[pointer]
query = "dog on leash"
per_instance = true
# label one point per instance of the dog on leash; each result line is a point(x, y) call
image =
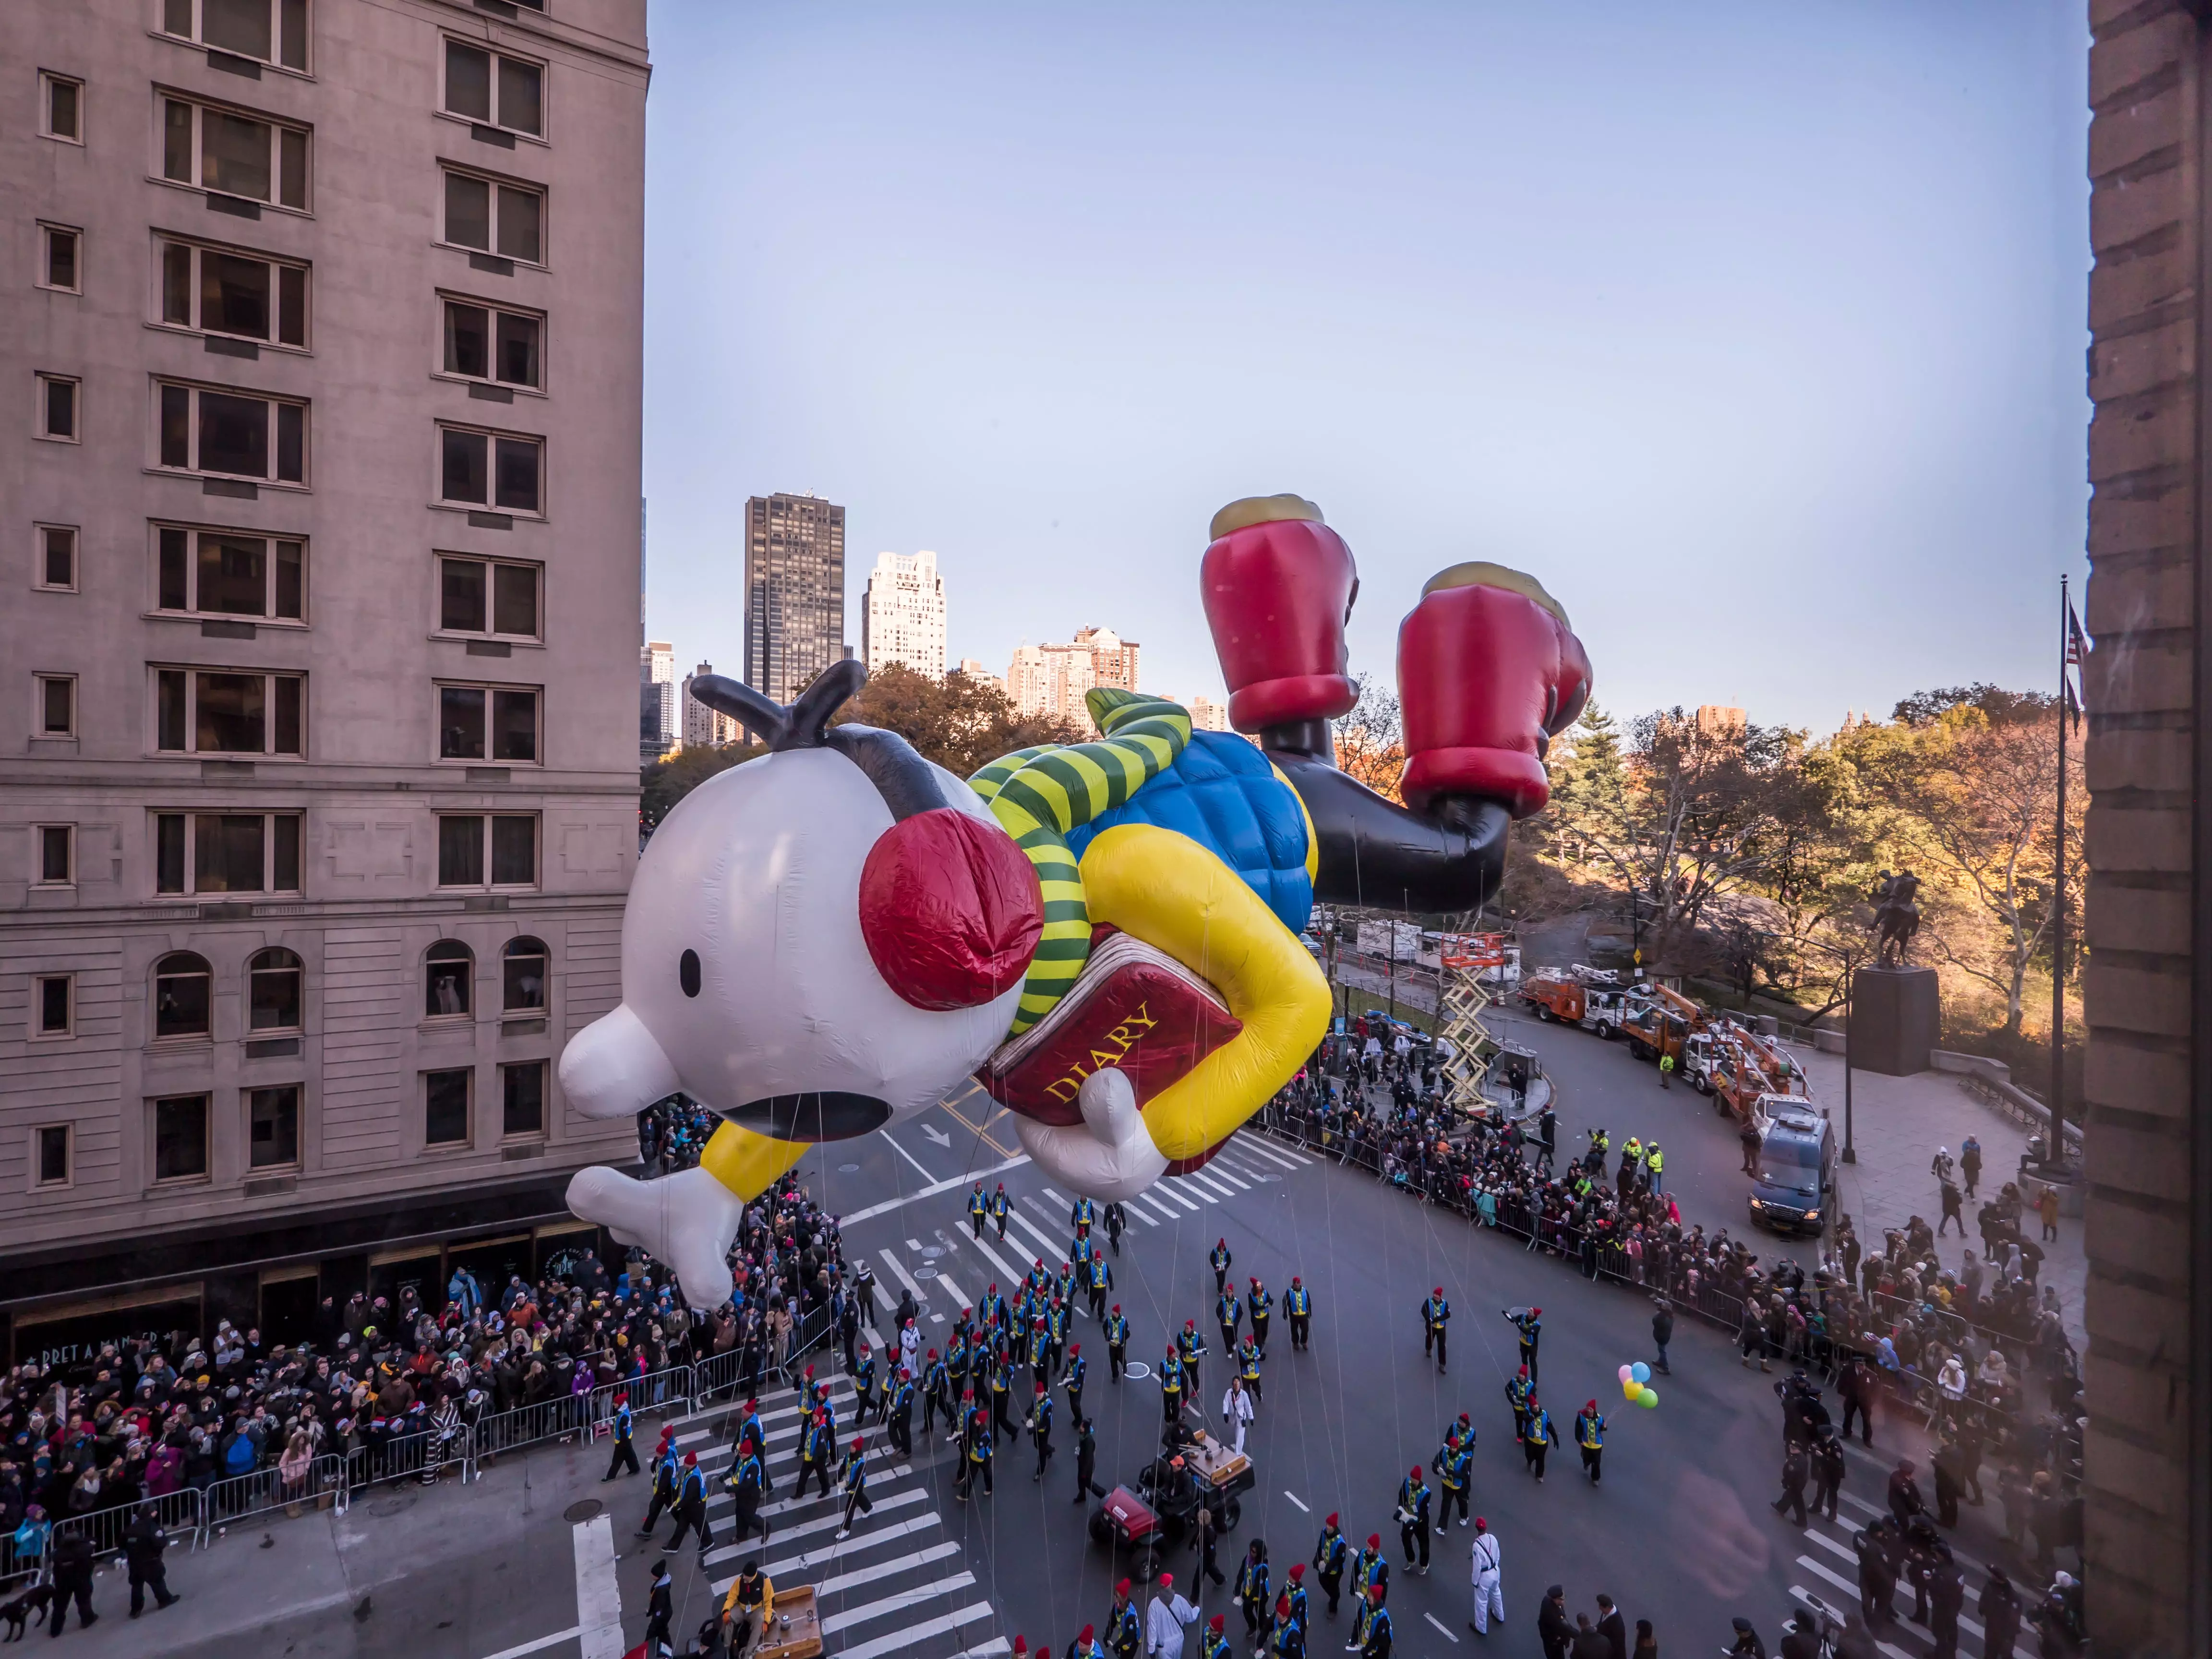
point(29, 1607)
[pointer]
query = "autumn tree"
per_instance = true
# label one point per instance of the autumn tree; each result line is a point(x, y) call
point(961, 722)
point(1371, 741)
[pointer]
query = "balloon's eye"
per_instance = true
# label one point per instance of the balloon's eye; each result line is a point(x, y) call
point(687, 972)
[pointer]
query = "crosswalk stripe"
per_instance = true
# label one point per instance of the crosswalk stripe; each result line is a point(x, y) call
point(862, 1539)
point(1220, 1180)
point(1159, 1192)
point(885, 1569)
point(782, 1505)
point(803, 1529)
point(1056, 1198)
point(1183, 1183)
point(1051, 1250)
point(1219, 1170)
point(899, 1603)
point(998, 1645)
point(1258, 1148)
point(960, 1297)
point(1007, 1274)
point(1141, 1213)
point(1250, 1168)
point(1862, 1506)
point(899, 1638)
point(1823, 1570)
point(1813, 1534)
point(890, 1258)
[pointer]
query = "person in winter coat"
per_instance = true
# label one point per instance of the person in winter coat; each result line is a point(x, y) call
point(142, 1544)
point(72, 1556)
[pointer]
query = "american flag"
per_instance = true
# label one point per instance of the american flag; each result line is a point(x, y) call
point(2077, 657)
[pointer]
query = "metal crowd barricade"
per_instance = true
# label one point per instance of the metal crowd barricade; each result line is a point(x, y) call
point(668, 1390)
point(725, 1373)
point(175, 1512)
point(243, 1497)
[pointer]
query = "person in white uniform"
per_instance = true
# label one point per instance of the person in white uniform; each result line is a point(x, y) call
point(1165, 1620)
point(1489, 1600)
point(1237, 1412)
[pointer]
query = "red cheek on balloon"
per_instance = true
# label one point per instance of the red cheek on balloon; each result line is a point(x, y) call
point(950, 909)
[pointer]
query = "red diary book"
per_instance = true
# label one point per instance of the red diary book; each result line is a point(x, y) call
point(1133, 1006)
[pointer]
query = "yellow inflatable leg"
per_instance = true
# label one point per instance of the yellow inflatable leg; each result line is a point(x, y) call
point(1178, 898)
point(745, 1162)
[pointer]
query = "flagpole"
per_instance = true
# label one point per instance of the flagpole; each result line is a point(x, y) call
point(2057, 1150)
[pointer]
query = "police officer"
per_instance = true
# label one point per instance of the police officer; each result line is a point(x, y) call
point(1117, 1344)
point(142, 1544)
point(1413, 1498)
point(625, 1447)
point(1328, 1561)
point(978, 1208)
point(1436, 1311)
point(1086, 1458)
point(1297, 1304)
point(1589, 1438)
point(855, 1477)
point(1219, 1259)
point(1877, 1574)
point(1827, 1460)
point(1259, 1305)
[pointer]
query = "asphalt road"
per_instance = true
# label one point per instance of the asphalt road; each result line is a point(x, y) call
point(1678, 1532)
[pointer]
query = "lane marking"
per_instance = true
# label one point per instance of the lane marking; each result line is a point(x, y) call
point(1148, 1200)
point(599, 1598)
point(977, 1129)
point(1056, 1198)
point(907, 1155)
point(1293, 1497)
point(1449, 1637)
point(1256, 1147)
point(930, 1191)
point(1159, 1192)
point(1007, 1275)
point(1140, 1213)
point(1181, 1181)
point(852, 1545)
point(899, 1603)
point(896, 1500)
point(960, 1297)
point(889, 1257)
point(1044, 1243)
point(1218, 1171)
point(885, 1569)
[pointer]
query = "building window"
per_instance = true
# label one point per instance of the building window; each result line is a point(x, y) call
point(232, 433)
point(502, 845)
point(273, 990)
point(57, 412)
point(487, 722)
point(488, 596)
point(197, 852)
point(491, 343)
point(232, 152)
point(495, 90)
point(180, 1138)
point(61, 107)
point(51, 1143)
point(500, 470)
point(182, 982)
point(56, 996)
point(57, 556)
point(490, 216)
point(523, 976)
point(449, 978)
point(272, 31)
point(60, 262)
point(272, 1127)
point(202, 711)
point(56, 701)
point(229, 573)
point(57, 854)
point(446, 1107)
point(214, 290)
point(522, 1098)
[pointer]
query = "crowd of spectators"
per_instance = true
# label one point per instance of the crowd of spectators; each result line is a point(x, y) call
point(1980, 1353)
point(398, 1387)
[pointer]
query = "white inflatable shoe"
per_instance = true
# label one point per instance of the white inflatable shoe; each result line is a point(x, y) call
point(684, 1220)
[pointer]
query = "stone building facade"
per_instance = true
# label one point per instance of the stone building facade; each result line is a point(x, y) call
point(320, 499)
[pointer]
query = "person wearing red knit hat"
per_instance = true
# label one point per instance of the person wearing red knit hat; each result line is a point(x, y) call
point(1219, 1259)
point(1216, 1645)
point(1117, 1344)
point(1083, 1646)
point(1125, 1630)
point(1166, 1620)
point(1328, 1561)
point(1436, 1310)
point(1489, 1599)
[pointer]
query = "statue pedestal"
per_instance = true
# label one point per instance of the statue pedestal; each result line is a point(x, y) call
point(1896, 1019)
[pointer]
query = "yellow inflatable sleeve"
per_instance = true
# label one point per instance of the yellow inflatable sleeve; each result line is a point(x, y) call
point(1178, 898)
point(746, 1162)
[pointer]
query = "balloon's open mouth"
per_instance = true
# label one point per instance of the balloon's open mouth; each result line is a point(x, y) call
point(829, 1114)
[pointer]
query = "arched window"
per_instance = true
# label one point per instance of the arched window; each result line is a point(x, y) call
point(523, 977)
point(273, 984)
point(448, 972)
point(182, 983)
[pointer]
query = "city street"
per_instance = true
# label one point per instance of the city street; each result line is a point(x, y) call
point(1676, 1534)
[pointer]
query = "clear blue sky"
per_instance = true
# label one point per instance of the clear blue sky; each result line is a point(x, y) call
point(1755, 331)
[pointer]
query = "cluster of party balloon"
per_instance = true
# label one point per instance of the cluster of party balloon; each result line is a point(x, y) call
point(1635, 1384)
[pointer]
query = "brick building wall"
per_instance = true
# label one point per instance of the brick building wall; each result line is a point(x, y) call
point(2149, 1448)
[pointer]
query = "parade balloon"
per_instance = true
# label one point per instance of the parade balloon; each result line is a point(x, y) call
point(1640, 1372)
point(829, 938)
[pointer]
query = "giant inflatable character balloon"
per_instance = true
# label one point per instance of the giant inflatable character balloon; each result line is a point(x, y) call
point(831, 938)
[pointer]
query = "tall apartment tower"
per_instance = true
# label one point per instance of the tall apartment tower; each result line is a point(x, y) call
point(656, 701)
point(319, 800)
point(795, 592)
point(903, 617)
point(705, 727)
